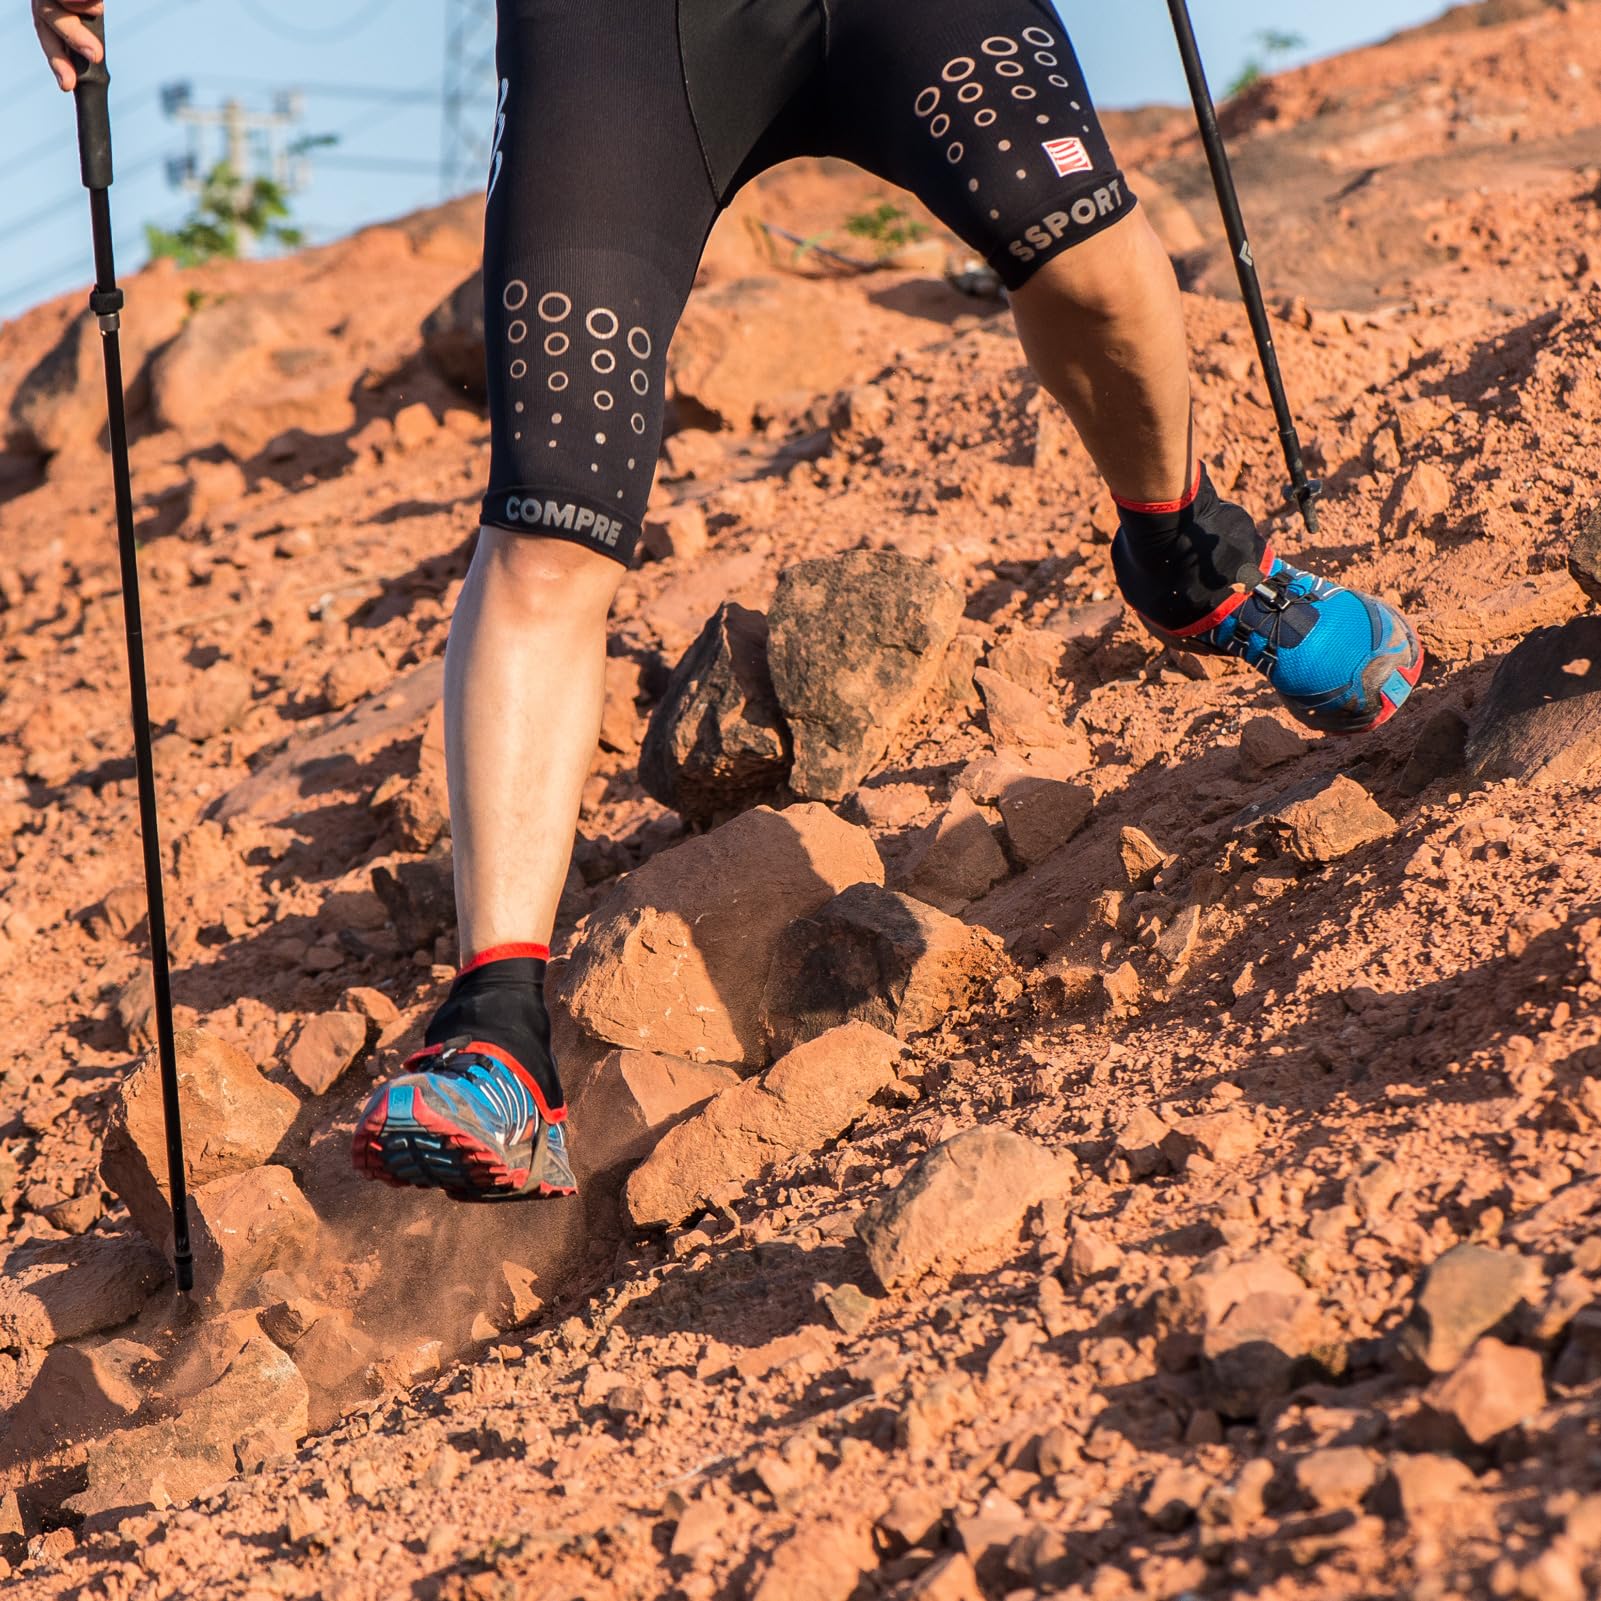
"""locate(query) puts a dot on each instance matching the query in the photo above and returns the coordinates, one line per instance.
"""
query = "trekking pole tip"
(1305, 495)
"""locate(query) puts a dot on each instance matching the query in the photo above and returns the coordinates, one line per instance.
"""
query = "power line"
(56, 141)
(396, 164)
(366, 121)
(74, 201)
(80, 259)
(396, 93)
(344, 29)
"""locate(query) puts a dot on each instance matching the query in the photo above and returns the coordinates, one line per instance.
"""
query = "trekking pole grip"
(94, 112)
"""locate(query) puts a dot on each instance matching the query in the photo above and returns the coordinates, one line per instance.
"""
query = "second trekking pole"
(94, 156)
(1303, 490)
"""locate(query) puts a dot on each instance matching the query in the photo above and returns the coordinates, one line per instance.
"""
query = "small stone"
(956, 860)
(626, 1401)
(354, 677)
(326, 1046)
(1337, 1477)
(64, 1289)
(79, 1392)
(233, 1119)
(121, 915)
(855, 642)
(244, 1225)
(1584, 557)
(1374, 1188)
(1043, 814)
(1175, 945)
(1092, 1255)
(1328, 819)
(1142, 858)
(991, 1531)
(1220, 1137)
(1496, 1388)
(1259, 1351)
(877, 956)
(967, 1194)
(1122, 988)
(1035, 658)
(849, 1308)
(630, 1099)
(334, 1357)
(823, 1560)
(194, 1452)
(415, 426)
(1240, 1504)
(517, 1301)
(954, 688)
(698, 1526)
(285, 1322)
(1018, 717)
(717, 739)
(372, 1004)
(1426, 497)
(1140, 1139)
(950, 1578)
(1464, 1293)
(912, 1520)
(933, 1414)
(1265, 743)
(678, 531)
(1175, 1496)
(1420, 1483)
(217, 699)
(135, 1011)
(808, 1097)
(1058, 1451)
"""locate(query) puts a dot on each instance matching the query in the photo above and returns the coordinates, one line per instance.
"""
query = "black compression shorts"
(624, 127)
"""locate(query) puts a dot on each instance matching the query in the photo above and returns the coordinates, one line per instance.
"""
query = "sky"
(372, 73)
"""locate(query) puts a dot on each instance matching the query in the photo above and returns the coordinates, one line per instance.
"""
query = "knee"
(545, 578)
(1122, 272)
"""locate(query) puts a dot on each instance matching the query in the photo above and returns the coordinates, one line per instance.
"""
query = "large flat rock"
(1540, 723)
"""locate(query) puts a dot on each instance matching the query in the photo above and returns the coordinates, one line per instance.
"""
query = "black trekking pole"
(94, 155)
(1302, 489)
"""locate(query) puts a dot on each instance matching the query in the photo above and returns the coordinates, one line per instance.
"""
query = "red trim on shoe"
(506, 1059)
(485, 1168)
(1162, 508)
(1227, 609)
(503, 953)
(1390, 707)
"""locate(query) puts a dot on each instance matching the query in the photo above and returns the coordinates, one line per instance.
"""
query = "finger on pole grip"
(94, 111)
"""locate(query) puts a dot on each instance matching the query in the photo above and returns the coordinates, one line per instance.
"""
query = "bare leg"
(1103, 328)
(524, 687)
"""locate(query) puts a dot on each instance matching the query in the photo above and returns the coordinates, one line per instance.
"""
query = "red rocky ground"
(1097, 1140)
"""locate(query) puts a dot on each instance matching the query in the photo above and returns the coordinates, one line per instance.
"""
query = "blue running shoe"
(466, 1122)
(1342, 661)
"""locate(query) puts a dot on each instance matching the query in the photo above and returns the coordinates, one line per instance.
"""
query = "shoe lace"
(487, 1075)
(1260, 643)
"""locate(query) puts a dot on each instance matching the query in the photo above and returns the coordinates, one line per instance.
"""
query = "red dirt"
(684, 1416)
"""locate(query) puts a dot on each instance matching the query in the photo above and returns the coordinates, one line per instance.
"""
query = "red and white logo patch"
(1068, 155)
